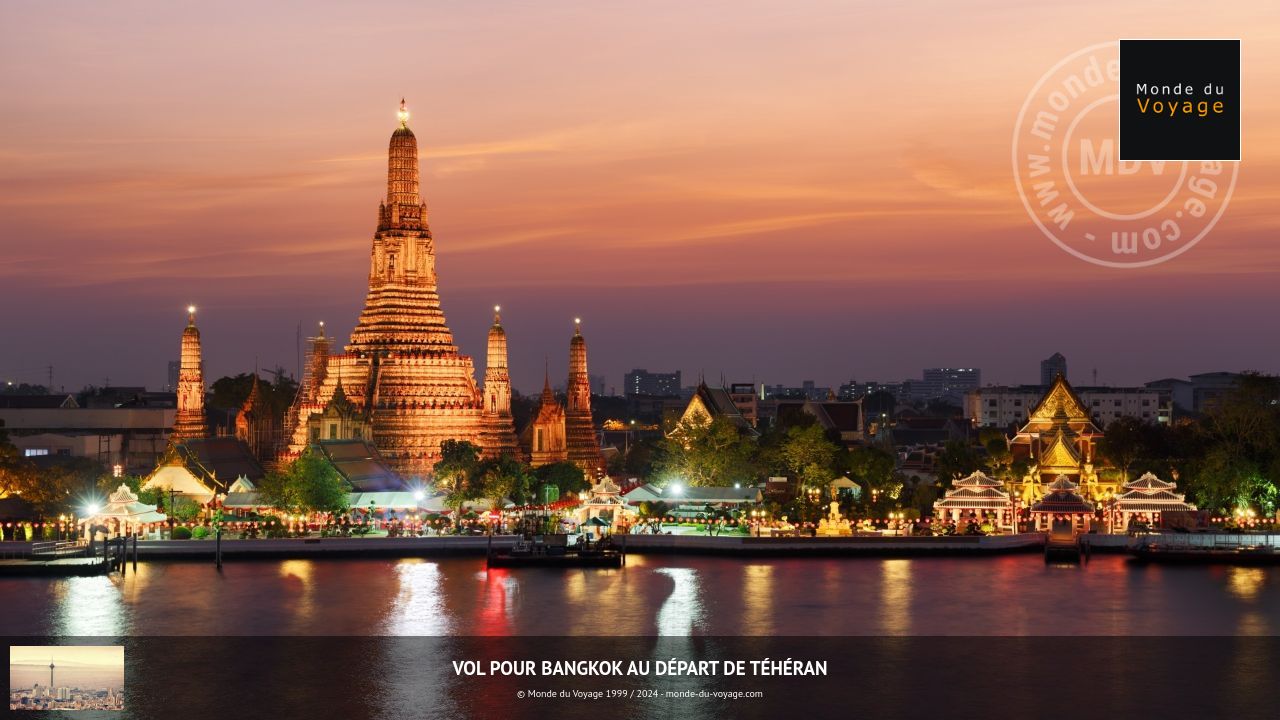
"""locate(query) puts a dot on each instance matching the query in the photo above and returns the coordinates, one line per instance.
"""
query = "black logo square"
(1179, 100)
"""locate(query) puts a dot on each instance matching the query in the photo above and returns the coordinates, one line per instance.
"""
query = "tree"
(505, 477)
(809, 455)
(567, 477)
(873, 467)
(1123, 443)
(232, 390)
(1241, 456)
(705, 452)
(53, 489)
(308, 484)
(957, 459)
(457, 473)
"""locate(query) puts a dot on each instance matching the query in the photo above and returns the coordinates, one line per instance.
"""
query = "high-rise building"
(1051, 367)
(949, 383)
(171, 384)
(190, 422)
(641, 382)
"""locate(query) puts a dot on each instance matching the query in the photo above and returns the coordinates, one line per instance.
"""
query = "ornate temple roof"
(975, 492)
(1061, 398)
(1061, 498)
(1149, 482)
(1151, 494)
(549, 409)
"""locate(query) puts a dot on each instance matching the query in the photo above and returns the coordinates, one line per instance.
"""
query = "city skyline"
(94, 667)
(776, 214)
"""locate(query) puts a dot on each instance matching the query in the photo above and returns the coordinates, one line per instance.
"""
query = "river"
(653, 595)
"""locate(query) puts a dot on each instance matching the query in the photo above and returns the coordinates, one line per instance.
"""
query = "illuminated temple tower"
(401, 369)
(498, 433)
(580, 432)
(190, 422)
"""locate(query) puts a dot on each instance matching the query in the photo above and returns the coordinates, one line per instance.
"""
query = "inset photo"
(66, 677)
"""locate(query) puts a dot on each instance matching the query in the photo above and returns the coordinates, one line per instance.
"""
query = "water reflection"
(418, 608)
(89, 606)
(757, 599)
(682, 611)
(895, 597)
(1246, 582)
(497, 602)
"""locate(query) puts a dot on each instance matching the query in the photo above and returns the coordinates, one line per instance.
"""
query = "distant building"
(175, 368)
(744, 397)
(641, 382)
(854, 390)
(598, 385)
(1198, 394)
(132, 437)
(948, 383)
(808, 390)
(844, 418)
(1051, 367)
(1003, 406)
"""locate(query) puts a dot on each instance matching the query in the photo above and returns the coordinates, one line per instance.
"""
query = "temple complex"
(401, 370)
(1059, 439)
(580, 432)
(190, 422)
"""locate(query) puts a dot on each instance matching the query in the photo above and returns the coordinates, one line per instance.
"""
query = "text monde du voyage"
(1179, 100)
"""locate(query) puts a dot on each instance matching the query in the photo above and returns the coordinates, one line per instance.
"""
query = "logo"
(1082, 196)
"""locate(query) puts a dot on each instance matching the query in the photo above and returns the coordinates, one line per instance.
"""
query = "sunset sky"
(774, 191)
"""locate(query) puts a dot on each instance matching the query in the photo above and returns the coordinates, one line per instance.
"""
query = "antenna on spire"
(403, 114)
(191, 314)
(497, 319)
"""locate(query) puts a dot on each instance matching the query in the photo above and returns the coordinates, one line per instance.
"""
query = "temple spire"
(403, 200)
(190, 420)
(580, 435)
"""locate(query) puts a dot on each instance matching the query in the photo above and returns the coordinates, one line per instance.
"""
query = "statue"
(833, 525)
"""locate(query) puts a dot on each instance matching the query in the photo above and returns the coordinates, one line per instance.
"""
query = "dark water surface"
(673, 596)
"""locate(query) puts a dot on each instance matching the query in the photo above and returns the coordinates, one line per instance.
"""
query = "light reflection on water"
(673, 596)
(681, 612)
(895, 597)
(418, 609)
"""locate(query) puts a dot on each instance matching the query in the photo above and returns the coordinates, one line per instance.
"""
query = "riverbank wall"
(727, 546)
